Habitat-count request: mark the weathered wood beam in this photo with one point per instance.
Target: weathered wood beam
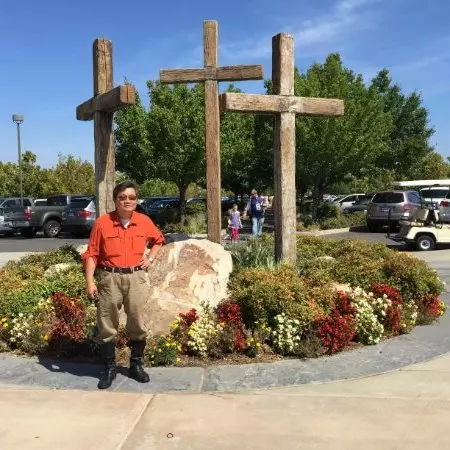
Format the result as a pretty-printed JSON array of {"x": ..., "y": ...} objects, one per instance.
[
  {"x": 225, "y": 73},
  {"x": 272, "y": 104},
  {"x": 111, "y": 101}
]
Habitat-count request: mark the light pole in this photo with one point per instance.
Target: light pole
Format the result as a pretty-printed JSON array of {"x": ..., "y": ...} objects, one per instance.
[{"x": 18, "y": 119}]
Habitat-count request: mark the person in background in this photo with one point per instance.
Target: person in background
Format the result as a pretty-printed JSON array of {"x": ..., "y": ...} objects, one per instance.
[
  {"x": 234, "y": 223},
  {"x": 115, "y": 251},
  {"x": 255, "y": 207}
]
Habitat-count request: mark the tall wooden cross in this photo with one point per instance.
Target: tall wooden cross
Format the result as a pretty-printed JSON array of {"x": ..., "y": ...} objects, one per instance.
[
  {"x": 211, "y": 74},
  {"x": 284, "y": 105},
  {"x": 100, "y": 108}
]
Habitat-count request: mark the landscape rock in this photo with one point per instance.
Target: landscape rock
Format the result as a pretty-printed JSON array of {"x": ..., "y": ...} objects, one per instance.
[
  {"x": 58, "y": 269},
  {"x": 185, "y": 274}
]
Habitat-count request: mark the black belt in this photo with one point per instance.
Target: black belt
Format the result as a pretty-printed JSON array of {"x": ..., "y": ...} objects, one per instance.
[{"x": 121, "y": 269}]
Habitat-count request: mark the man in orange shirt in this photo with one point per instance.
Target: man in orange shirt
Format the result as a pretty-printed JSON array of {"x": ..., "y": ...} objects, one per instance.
[{"x": 116, "y": 251}]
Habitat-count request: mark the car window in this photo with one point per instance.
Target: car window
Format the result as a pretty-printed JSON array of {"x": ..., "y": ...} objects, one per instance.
[
  {"x": 9, "y": 203},
  {"x": 434, "y": 193},
  {"x": 388, "y": 197},
  {"x": 26, "y": 202},
  {"x": 413, "y": 197},
  {"x": 79, "y": 202},
  {"x": 58, "y": 200}
]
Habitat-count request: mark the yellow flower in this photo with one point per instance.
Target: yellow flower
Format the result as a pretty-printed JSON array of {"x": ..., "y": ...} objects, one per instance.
[
  {"x": 45, "y": 338},
  {"x": 4, "y": 319},
  {"x": 159, "y": 350},
  {"x": 258, "y": 344},
  {"x": 179, "y": 348},
  {"x": 178, "y": 360},
  {"x": 5, "y": 325}
]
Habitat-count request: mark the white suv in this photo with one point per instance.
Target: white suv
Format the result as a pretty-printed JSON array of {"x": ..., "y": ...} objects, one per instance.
[{"x": 348, "y": 200}]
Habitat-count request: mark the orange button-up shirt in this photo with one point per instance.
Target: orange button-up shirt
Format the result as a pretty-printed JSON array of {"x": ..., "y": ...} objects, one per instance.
[{"x": 113, "y": 245}]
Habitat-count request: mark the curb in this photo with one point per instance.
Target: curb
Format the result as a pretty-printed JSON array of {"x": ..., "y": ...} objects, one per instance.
[{"x": 326, "y": 232}]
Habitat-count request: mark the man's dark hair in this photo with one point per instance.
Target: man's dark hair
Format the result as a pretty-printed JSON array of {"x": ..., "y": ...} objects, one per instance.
[{"x": 125, "y": 185}]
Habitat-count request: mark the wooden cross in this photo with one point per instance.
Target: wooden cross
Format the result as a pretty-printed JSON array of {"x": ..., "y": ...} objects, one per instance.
[
  {"x": 210, "y": 75},
  {"x": 100, "y": 108},
  {"x": 284, "y": 105}
]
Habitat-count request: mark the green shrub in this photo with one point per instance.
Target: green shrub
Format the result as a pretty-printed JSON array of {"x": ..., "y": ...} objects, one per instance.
[
  {"x": 256, "y": 252},
  {"x": 262, "y": 294},
  {"x": 343, "y": 221},
  {"x": 195, "y": 208},
  {"x": 23, "y": 284},
  {"x": 327, "y": 211}
]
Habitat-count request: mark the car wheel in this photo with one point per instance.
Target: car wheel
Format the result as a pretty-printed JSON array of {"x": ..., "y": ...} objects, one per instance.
[
  {"x": 425, "y": 243},
  {"x": 52, "y": 228},
  {"x": 28, "y": 232}
]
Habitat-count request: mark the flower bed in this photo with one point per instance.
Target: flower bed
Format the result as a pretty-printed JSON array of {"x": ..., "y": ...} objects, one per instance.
[{"x": 342, "y": 293}]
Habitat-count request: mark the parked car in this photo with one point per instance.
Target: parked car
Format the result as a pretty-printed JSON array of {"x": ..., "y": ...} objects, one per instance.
[
  {"x": 11, "y": 202},
  {"x": 444, "y": 209},
  {"x": 347, "y": 200},
  {"x": 163, "y": 212},
  {"x": 79, "y": 216},
  {"x": 360, "y": 205},
  {"x": 433, "y": 196},
  {"x": 388, "y": 207},
  {"x": 147, "y": 202},
  {"x": 31, "y": 219}
]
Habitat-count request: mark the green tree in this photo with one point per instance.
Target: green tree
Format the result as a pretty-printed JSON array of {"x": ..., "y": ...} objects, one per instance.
[
  {"x": 237, "y": 149},
  {"x": 176, "y": 131},
  {"x": 409, "y": 137},
  {"x": 431, "y": 167},
  {"x": 134, "y": 152},
  {"x": 330, "y": 148},
  {"x": 69, "y": 175}
]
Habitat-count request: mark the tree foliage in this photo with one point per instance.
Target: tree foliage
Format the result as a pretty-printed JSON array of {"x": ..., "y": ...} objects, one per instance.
[
  {"x": 410, "y": 134},
  {"x": 69, "y": 175}
]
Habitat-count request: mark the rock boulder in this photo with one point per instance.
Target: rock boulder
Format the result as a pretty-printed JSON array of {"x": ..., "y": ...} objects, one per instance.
[{"x": 185, "y": 273}]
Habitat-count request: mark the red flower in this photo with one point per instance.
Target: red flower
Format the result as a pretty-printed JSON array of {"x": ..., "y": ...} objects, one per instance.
[
  {"x": 187, "y": 319},
  {"x": 393, "y": 314},
  {"x": 70, "y": 318},
  {"x": 337, "y": 329}
]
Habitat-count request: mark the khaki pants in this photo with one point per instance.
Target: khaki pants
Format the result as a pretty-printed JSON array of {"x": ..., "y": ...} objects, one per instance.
[{"x": 114, "y": 290}]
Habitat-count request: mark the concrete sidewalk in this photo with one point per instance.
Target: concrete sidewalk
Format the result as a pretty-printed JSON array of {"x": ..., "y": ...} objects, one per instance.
[{"x": 407, "y": 409}]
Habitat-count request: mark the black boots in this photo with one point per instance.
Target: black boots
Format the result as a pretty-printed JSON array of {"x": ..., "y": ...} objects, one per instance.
[
  {"x": 108, "y": 356},
  {"x": 136, "y": 371}
]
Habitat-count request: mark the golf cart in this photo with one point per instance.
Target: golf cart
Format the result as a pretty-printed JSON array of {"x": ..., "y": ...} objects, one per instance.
[{"x": 423, "y": 228}]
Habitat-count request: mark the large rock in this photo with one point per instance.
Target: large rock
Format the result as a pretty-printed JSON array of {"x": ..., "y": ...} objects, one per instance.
[{"x": 185, "y": 274}]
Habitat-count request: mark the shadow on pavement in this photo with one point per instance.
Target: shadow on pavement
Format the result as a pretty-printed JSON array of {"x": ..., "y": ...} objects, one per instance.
[{"x": 78, "y": 369}]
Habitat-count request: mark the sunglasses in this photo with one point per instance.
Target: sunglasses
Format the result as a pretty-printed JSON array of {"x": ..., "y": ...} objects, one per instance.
[{"x": 122, "y": 198}]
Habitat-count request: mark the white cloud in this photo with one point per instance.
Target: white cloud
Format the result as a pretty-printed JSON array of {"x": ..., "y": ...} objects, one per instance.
[{"x": 344, "y": 18}]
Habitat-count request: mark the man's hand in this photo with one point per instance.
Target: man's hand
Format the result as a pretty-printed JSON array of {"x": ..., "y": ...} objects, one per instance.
[
  {"x": 145, "y": 262},
  {"x": 91, "y": 290}
]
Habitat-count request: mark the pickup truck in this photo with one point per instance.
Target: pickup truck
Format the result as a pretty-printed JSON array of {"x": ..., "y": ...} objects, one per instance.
[{"x": 31, "y": 219}]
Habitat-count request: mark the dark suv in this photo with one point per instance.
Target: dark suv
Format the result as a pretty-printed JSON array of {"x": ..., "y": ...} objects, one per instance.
[
  {"x": 79, "y": 216},
  {"x": 388, "y": 207}
]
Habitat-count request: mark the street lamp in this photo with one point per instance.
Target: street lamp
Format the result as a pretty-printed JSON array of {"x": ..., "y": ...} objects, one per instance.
[{"x": 18, "y": 119}]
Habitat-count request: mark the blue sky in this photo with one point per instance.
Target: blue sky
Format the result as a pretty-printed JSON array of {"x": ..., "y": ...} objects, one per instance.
[{"x": 46, "y": 61}]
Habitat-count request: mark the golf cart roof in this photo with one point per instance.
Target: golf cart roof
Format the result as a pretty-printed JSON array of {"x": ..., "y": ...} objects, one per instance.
[{"x": 421, "y": 183}]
